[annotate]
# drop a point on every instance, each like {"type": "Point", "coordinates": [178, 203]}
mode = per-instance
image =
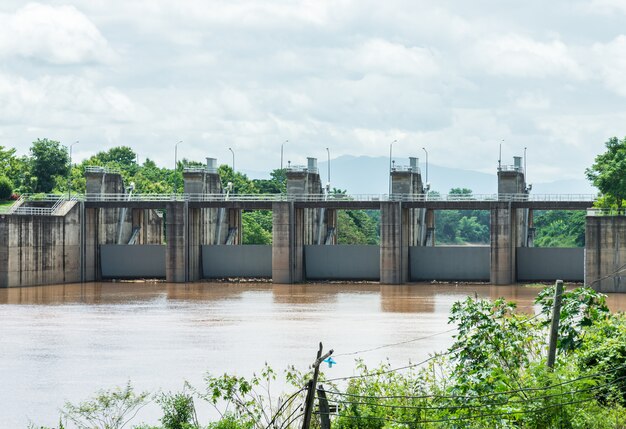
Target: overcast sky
{"type": "Point", "coordinates": [456, 77]}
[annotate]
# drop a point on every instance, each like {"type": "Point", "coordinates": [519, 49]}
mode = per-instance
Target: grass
{"type": "Point", "coordinates": [4, 205]}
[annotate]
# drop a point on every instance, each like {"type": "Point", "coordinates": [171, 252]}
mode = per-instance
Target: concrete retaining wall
{"type": "Point", "coordinates": [39, 250]}
{"type": "Point", "coordinates": [605, 253]}
{"type": "Point", "coordinates": [454, 263]}
{"type": "Point", "coordinates": [342, 262]}
{"type": "Point", "coordinates": [550, 264]}
{"type": "Point", "coordinates": [236, 261]}
{"type": "Point", "coordinates": [132, 261]}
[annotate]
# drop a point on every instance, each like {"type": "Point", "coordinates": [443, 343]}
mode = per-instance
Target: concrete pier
{"type": "Point", "coordinates": [605, 253]}
{"type": "Point", "coordinates": [394, 245]}
{"type": "Point", "coordinates": [176, 251]}
{"type": "Point", "coordinates": [287, 243]}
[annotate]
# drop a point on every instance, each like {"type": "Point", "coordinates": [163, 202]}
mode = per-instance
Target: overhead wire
{"type": "Point", "coordinates": [507, 401]}
{"type": "Point", "coordinates": [468, 397]}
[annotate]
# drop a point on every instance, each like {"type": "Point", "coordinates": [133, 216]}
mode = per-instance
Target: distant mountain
{"type": "Point", "coordinates": [370, 175]}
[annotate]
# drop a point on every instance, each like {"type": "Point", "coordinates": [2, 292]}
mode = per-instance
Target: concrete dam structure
{"type": "Point", "coordinates": [113, 233]}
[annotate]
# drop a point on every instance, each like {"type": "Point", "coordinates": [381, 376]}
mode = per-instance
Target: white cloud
{"type": "Point", "coordinates": [518, 56]}
{"type": "Point", "coordinates": [66, 101]}
{"type": "Point", "coordinates": [607, 6]}
{"type": "Point", "coordinates": [381, 56]}
{"type": "Point", "coordinates": [532, 101]}
{"type": "Point", "coordinates": [53, 34]}
{"type": "Point", "coordinates": [610, 61]}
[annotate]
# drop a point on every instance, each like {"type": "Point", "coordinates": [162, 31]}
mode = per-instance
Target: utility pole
{"type": "Point", "coordinates": [554, 327]}
{"type": "Point", "coordinates": [310, 394]}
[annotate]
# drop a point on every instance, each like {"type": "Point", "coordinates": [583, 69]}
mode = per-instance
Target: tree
{"type": "Point", "coordinates": [608, 172]}
{"type": "Point", "coordinates": [48, 160]}
{"type": "Point", "coordinates": [6, 188]}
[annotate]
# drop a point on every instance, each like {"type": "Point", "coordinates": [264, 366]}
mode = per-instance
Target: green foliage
{"type": "Point", "coordinates": [357, 227]}
{"type": "Point", "coordinates": [241, 183]}
{"type": "Point", "coordinates": [559, 228]}
{"type": "Point", "coordinates": [179, 411]}
{"type": "Point", "coordinates": [580, 309]}
{"type": "Point", "coordinates": [603, 349]}
{"type": "Point", "coordinates": [608, 172]}
{"type": "Point", "coordinates": [248, 403]}
{"type": "Point", "coordinates": [493, 346]}
{"type": "Point", "coordinates": [48, 161]}
{"type": "Point", "coordinates": [6, 188]}
{"type": "Point", "coordinates": [108, 409]}
{"type": "Point", "coordinates": [257, 227]}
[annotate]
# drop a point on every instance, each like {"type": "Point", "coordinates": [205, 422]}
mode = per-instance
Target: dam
{"type": "Point", "coordinates": [110, 232]}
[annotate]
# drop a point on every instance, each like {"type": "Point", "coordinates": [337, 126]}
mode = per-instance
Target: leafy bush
{"type": "Point", "coordinates": [6, 188]}
{"type": "Point", "coordinates": [179, 411]}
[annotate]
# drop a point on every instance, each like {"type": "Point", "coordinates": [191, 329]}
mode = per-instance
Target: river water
{"type": "Point", "coordinates": [63, 343]}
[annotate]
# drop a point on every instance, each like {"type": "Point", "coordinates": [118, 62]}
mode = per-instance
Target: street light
{"type": "Point", "coordinates": [69, 174]}
{"type": "Point", "coordinates": [328, 184]}
{"type": "Point", "coordinates": [390, 153]}
{"type": "Point", "coordinates": [176, 165]}
{"type": "Point", "coordinates": [231, 150]}
{"type": "Point", "coordinates": [281, 153]}
{"type": "Point", "coordinates": [427, 185]}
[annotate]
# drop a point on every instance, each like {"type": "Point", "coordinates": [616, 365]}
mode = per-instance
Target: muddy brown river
{"type": "Point", "coordinates": [63, 343]}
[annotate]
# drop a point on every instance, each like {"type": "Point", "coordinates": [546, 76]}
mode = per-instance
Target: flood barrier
{"type": "Point", "coordinates": [249, 260]}
{"type": "Point", "coordinates": [449, 263]}
{"type": "Point", "coordinates": [119, 261]}
{"type": "Point", "coordinates": [550, 263]}
{"type": "Point", "coordinates": [342, 262]}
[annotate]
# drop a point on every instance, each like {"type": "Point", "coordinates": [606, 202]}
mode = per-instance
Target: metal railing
{"type": "Point", "coordinates": [200, 170]}
{"type": "Point", "coordinates": [351, 197]}
{"type": "Point", "coordinates": [606, 212]}
{"type": "Point", "coordinates": [407, 168]}
{"type": "Point", "coordinates": [99, 169]}
{"type": "Point", "coordinates": [511, 168]}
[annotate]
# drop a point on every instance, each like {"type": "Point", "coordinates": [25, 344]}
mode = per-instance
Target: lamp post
{"type": "Point", "coordinates": [281, 153]}
{"type": "Point", "coordinates": [390, 154]}
{"type": "Point", "coordinates": [231, 151]}
{"type": "Point", "coordinates": [425, 151]}
{"type": "Point", "coordinates": [176, 165]}
{"type": "Point", "coordinates": [328, 184]}
{"type": "Point", "coordinates": [69, 174]}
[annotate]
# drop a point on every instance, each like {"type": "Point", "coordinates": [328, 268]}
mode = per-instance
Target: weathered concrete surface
{"type": "Point", "coordinates": [308, 182]}
{"type": "Point", "coordinates": [39, 250]}
{"type": "Point", "coordinates": [409, 182]}
{"type": "Point", "coordinates": [449, 263]}
{"type": "Point", "coordinates": [605, 253]}
{"type": "Point", "coordinates": [394, 248]}
{"type": "Point", "coordinates": [176, 255]}
{"type": "Point", "coordinates": [503, 236]}
{"type": "Point", "coordinates": [287, 243]}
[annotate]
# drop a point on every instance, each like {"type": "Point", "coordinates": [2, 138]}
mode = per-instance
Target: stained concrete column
{"type": "Point", "coordinates": [394, 248]}
{"type": "Point", "coordinates": [605, 253]}
{"type": "Point", "coordinates": [430, 227]}
{"type": "Point", "coordinates": [176, 252]}
{"type": "Point", "coordinates": [287, 243]}
{"type": "Point", "coordinates": [195, 227]}
{"type": "Point", "coordinates": [4, 251]}
{"type": "Point", "coordinates": [92, 245]}
{"type": "Point", "coordinates": [503, 240]}
{"type": "Point", "coordinates": [234, 221]}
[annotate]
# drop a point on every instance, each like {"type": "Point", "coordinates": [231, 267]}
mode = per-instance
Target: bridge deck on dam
{"type": "Point", "coordinates": [345, 202]}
